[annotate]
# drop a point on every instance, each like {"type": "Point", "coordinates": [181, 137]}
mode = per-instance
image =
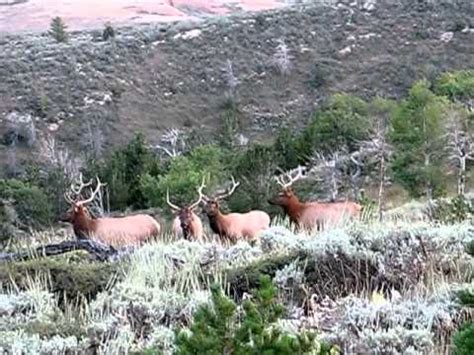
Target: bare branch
{"type": "Point", "coordinates": [52, 154]}
{"type": "Point", "coordinates": [173, 143]}
{"type": "Point", "coordinates": [282, 58]}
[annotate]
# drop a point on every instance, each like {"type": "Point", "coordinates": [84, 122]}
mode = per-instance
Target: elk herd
{"type": "Point", "coordinates": [134, 230]}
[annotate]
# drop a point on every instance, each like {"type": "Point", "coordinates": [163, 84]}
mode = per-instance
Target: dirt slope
{"type": "Point", "coordinates": [157, 76]}
{"type": "Point", "coordinates": [35, 15]}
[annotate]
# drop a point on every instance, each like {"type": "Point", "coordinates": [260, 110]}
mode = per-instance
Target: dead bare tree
{"type": "Point", "coordinates": [172, 143]}
{"type": "Point", "coordinates": [94, 141]}
{"type": "Point", "coordinates": [59, 157]}
{"type": "Point", "coordinates": [282, 58]}
{"type": "Point", "coordinates": [328, 169]}
{"type": "Point", "coordinates": [231, 80]}
{"type": "Point", "coordinates": [459, 148]}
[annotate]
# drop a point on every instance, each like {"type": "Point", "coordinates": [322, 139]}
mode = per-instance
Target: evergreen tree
{"type": "Point", "coordinates": [218, 330]}
{"type": "Point", "coordinates": [108, 32]}
{"type": "Point", "coordinates": [58, 29]}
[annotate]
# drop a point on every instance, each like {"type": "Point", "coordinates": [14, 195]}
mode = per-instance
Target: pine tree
{"type": "Point", "coordinates": [57, 30]}
{"type": "Point", "coordinates": [464, 338]}
{"type": "Point", "coordinates": [108, 32]}
{"type": "Point", "coordinates": [218, 330]}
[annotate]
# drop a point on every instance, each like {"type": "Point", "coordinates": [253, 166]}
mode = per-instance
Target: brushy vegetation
{"type": "Point", "coordinates": [403, 296]}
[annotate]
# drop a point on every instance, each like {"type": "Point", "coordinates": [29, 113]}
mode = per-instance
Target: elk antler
{"type": "Point", "coordinates": [77, 191]}
{"type": "Point", "coordinates": [93, 195]}
{"type": "Point", "coordinates": [229, 192]}
{"type": "Point", "coordinates": [289, 175]}
{"type": "Point", "coordinates": [201, 195]}
{"type": "Point", "coordinates": [174, 207]}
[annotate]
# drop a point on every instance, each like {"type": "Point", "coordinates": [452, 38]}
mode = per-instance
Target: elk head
{"type": "Point", "coordinates": [212, 206]}
{"type": "Point", "coordinates": [286, 196]}
{"type": "Point", "coordinates": [78, 210]}
{"type": "Point", "coordinates": [185, 214]}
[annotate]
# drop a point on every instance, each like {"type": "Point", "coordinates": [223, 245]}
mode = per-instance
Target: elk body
{"type": "Point", "coordinates": [187, 224]}
{"type": "Point", "coordinates": [234, 226]}
{"type": "Point", "coordinates": [114, 231]}
{"type": "Point", "coordinates": [310, 215]}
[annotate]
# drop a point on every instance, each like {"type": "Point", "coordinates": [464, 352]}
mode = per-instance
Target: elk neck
{"type": "Point", "coordinates": [217, 222]}
{"type": "Point", "coordinates": [294, 208]}
{"type": "Point", "coordinates": [185, 220]}
{"type": "Point", "coordinates": [83, 224]}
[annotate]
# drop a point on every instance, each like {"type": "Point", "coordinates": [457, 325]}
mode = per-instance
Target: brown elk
{"type": "Point", "coordinates": [187, 223]}
{"type": "Point", "coordinates": [234, 226]}
{"type": "Point", "coordinates": [114, 231]}
{"type": "Point", "coordinates": [310, 215]}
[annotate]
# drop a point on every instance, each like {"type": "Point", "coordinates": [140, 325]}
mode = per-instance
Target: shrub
{"type": "Point", "coordinates": [217, 329]}
{"type": "Point", "coordinates": [184, 175]}
{"type": "Point", "coordinates": [58, 30]}
{"type": "Point", "coordinates": [464, 340]}
{"type": "Point", "coordinates": [456, 85]}
{"type": "Point", "coordinates": [464, 337]}
{"type": "Point", "coordinates": [452, 211]}
{"type": "Point", "coordinates": [30, 203]}
{"type": "Point", "coordinates": [341, 123]}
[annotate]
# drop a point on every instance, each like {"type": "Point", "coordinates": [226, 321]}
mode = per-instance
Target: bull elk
{"type": "Point", "coordinates": [310, 215]}
{"type": "Point", "coordinates": [114, 231]}
{"type": "Point", "coordinates": [187, 223]}
{"type": "Point", "coordinates": [234, 226]}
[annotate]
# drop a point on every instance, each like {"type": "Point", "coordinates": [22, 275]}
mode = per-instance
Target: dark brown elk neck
{"type": "Point", "coordinates": [294, 208]}
{"type": "Point", "coordinates": [83, 225]}
{"type": "Point", "coordinates": [217, 223]}
{"type": "Point", "coordinates": [186, 223]}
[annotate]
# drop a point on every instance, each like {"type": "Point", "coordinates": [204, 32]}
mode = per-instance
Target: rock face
{"type": "Point", "coordinates": [153, 77]}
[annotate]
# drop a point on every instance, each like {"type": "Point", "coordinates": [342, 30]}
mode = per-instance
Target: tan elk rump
{"type": "Point", "coordinates": [114, 231]}
{"type": "Point", "coordinates": [312, 215]}
{"type": "Point", "coordinates": [234, 226]}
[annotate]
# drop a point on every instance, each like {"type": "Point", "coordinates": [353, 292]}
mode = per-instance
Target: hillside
{"type": "Point", "coordinates": [152, 77]}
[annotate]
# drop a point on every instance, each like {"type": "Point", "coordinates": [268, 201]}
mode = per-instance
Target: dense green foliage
{"type": "Point", "coordinates": [30, 203]}
{"type": "Point", "coordinates": [219, 329]}
{"type": "Point", "coordinates": [184, 175]}
{"type": "Point", "coordinates": [417, 136]}
{"type": "Point", "coordinates": [341, 123]}
{"type": "Point", "coordinates": [456, 85]}
{"type": "Point", "coordinates": [123, 170]}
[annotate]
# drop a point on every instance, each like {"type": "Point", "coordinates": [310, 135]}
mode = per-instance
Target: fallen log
{"type": "Point", "coordinates": [100, 251]}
